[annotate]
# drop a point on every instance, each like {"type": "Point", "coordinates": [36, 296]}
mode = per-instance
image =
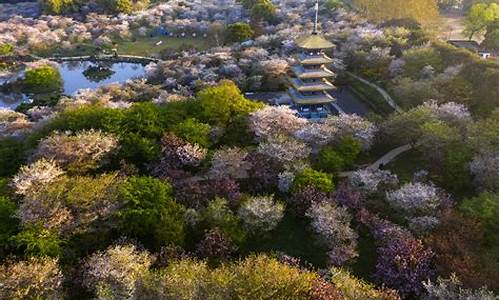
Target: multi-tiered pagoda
{"type": "Point", "coordinates": [310, 85]}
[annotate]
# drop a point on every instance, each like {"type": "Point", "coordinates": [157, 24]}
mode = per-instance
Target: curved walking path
{"type": "Point", "coordinates": [384, 160]}
{"type": "Point", "coordinates": [381, 91]}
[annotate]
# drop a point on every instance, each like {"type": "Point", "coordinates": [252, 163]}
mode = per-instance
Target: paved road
{"type": "Point", "coordinates": [383, 92]}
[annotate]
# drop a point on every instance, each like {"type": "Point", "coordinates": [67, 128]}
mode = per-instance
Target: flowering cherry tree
{"type": "Point", "coordinates": [35, 278]}
{"type": "Point", "coordinates": [403, 264]}
{"type": "Point", "coordinates": [415, 199]}
{"type": "Point", "coordinates": [353, 125]}
{"type": "Point", "coordinates": [331, 223]}
{"type": "Point", "coordinates": [285, 149]}
{"type": "Point", "coordinates": [83, 151]}
{"type": "Point", "coordinates": [32, 177]}
{"type": "Point", "coordinates": [116, 271]}
{"type": "Point", "coordinates": [273, 120]}
{"type": "Point", "coordinates": [369, 181]}
{"type": "Point", "coordinates": [230, 162]}
{"type": "Point", "coordinates": [484, 168]}
{"type": "Point", "coordinates": [261, 214]}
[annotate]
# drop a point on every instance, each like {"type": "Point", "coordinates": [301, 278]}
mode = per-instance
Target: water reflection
{"type": "Point", "coordinates": [89, 75]}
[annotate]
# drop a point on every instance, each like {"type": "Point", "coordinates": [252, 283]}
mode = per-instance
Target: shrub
{"type": "Point", "coordinates": [353, 288]}
{"type": "Point", "coordinates": [124, 6]}
{"type": "Point", "coordinates": [39, 241]}
{"type": "Point", "coordinates": [238, 32]}
{"type": "Point", "coordinates": [218, 214]}
{"type": "Point", "coordinates": [150, 213]}
{"type": "Point", "coordinates": [300, 201]}
{"type": "Point", "coordinates": [8, 223]}
{"type": "Point", "coordinates": [56, 7]}
{"type": "Point", "coordinates": [215, 246]}
{"type": "Point", "coordinates": [35, 278]}
{"type": "Point", "coordinates": [11, 156]}
{"type": "Point", "coordinates": [223, 103]}
{"type": "Point", "coordinates": [458, 242]}
{"type": "Point", "coordinates": [43, 79]}
{"type": "Point", "coordinates": [309, 177]}
{"type": "Point", "coordinates": [261, 214]}
{"type": "Point", "coordinates": [484, 207]}
{"type": "Point", "coordinates": [6, 49]}
{"type": "Point", "coordinates": [193, 131]}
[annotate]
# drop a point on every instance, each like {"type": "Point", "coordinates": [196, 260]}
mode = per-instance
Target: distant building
{"type": "Point", "coordinates": [472, 46]}
{"type": "Point", "coordinates": [310, 84]}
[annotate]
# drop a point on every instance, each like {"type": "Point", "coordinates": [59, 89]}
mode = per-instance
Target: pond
{"type": "Point", "coordinates": [84, 75]}
{"type": "Point", "coordinates": [89, 75]}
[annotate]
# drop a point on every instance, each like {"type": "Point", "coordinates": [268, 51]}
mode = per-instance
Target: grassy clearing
{"type": "Point", "coordinates": [147, 46]}
{"type": "Point", "coordinates": [293, 237]}
{"type": "Point", "coordinates": [141, 47]}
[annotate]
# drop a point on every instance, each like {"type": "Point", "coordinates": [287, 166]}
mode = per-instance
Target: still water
{"type": "Point", "coordinates": [78, 75]}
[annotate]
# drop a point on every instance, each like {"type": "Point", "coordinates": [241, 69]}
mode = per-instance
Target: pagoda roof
{"type": "Point", "coordinates": [299, 98]}
{"type": "Point", "coordinates": [313, 41]}
{"type": "Point", "coordinates": [322, 85]}
{"type": "Point", "coordinates": [320, 72]}
{"type": "Point", "coordinates": [321, 59]}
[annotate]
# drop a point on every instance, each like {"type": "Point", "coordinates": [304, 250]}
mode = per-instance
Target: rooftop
{"type": "Point", "coordinates": [304, 73]}
{"type": "Point", "coordinates": [313, 41]}
{"type": "Point", "coordinates": [314, 59]}
{"type": "Point", "coordinates": [322, 85]}
{"type": "Point", "coordinates": [321, 98]}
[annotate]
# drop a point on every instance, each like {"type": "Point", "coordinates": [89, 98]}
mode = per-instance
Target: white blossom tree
{"type": "Point", "coordinates": [35, 278]}
{"type": "Point", "coordinates": [332, 224]}
{"type": "Point", "coordinates": [484, 168]}
{"type": "Point", "coordinates": [415, 199]}
{"type": "Point", "coordinates": [274, 120]}
{"type": "Point", "coordinates": [261, 214]}
{"type": "Point", "coordinates": [86, 150]}
{"type": "Point", "coordinates": [114, 273]}
{"type": "Point", "coordinates": [285, 149]}
{"type": "Point", "coordinates": [353, 125]}
{"type": "Point", "coordinates": [32, 177]}
{"type": "Point", "coordinates": [369, 180]}
{"type": "Point", "coordinates": [230, 162]}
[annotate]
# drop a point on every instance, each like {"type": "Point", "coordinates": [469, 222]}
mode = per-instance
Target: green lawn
{"type": "Point", "coordinates": [147, 46]}
{"type": "Point", "coordinates": [141, 46]}
{"type": "Point", "coordinates": [293, 237]}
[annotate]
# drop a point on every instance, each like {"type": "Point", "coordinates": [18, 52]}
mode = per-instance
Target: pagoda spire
{"type": "Point", "coordinates": [316, 7]}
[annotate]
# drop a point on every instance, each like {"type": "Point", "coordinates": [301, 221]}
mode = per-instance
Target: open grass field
{"type": "Point", "coordinates": [147, 46]}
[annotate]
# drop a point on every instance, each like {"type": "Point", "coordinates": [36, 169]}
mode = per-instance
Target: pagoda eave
{"type": "Point", "coordinates": [323, 98]}
{"type": "Point", "coordinates": [311, 87]}
{"type": "Point", "coordinates": [304, 59]}
{"type": "Point", "coordinates": [319, 73]}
